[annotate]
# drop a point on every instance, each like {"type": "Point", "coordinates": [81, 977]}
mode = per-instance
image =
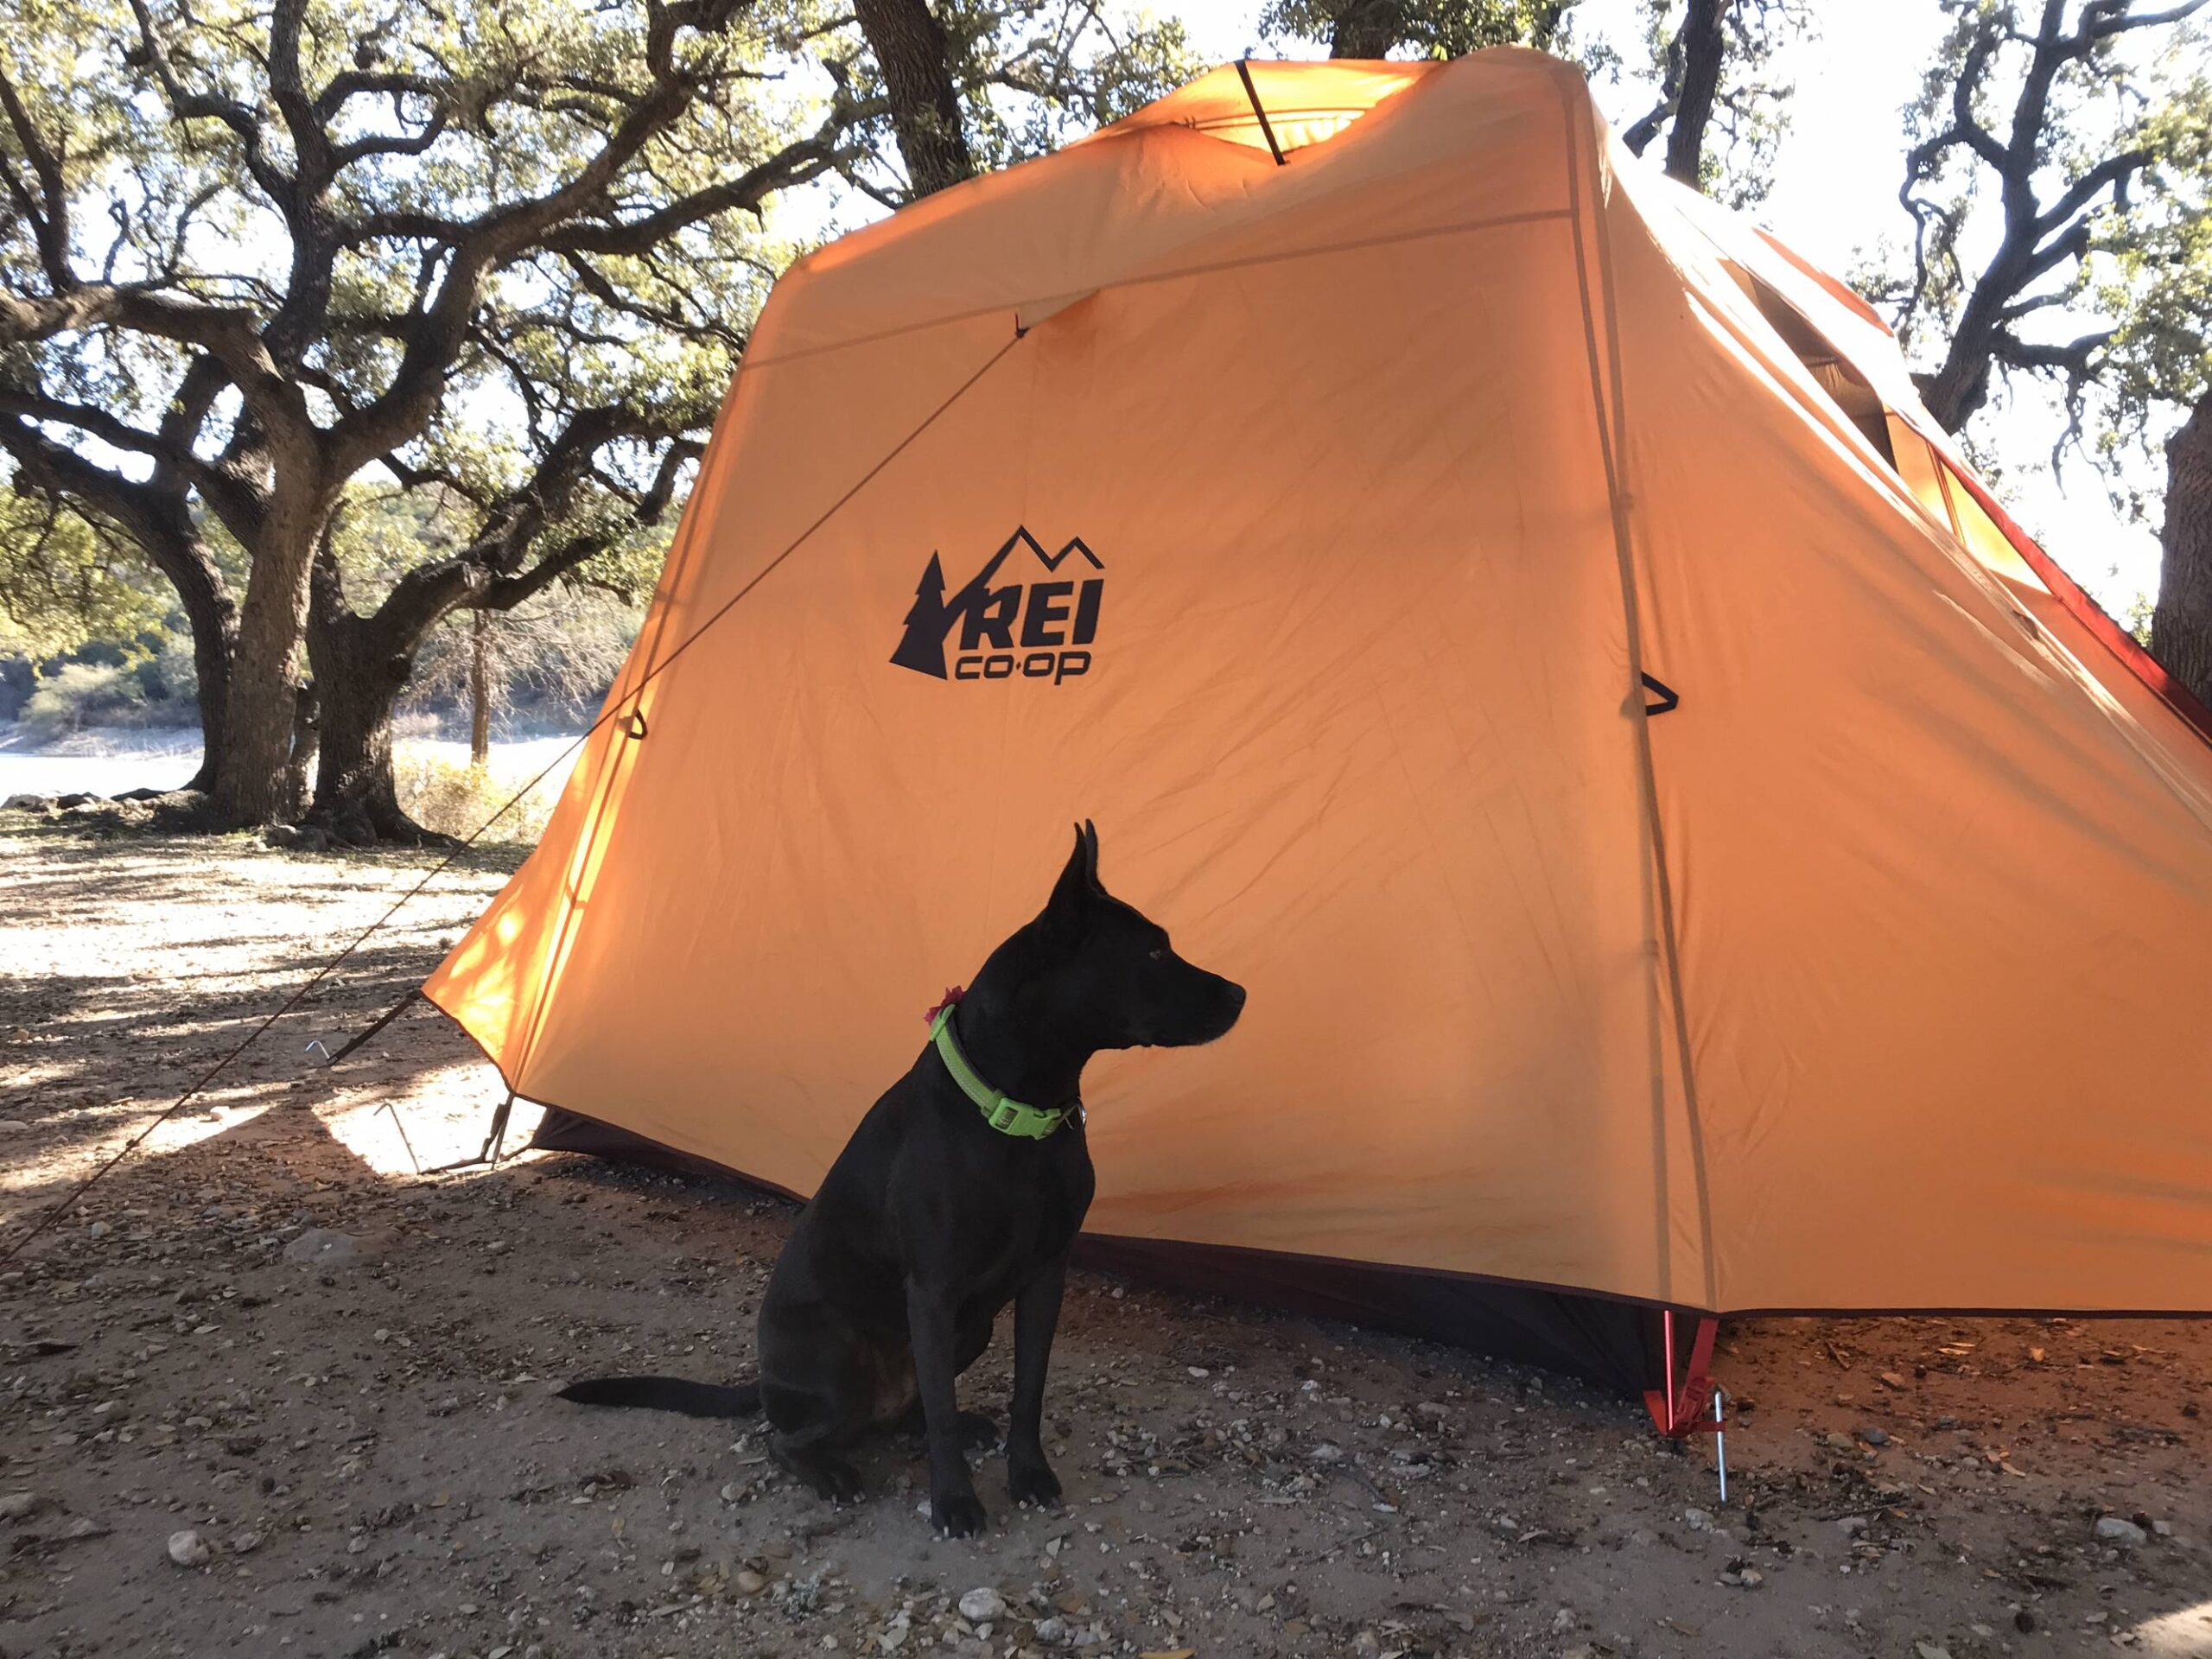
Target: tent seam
{"type": "Point", "coordinates": [1615, 460]}
{"type": "Point", "coordinates": [1463, 227]}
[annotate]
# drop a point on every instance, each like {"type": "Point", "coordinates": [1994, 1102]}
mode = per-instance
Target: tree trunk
{"type": "Point", "coordinates": [1703, 47]}
{"type": "Point", "coordinates": [1367, 29]}
{"type": "Point", "coordinates": [911, 49]}
{"type": "Point", "coordinates": [361, 665]}
{"type": "Point", "coordinates": [253, 760]}
{"type": "Point", "coordinates": [2181, 626]}
{"type": "Point", "coordinates": [358, 678]}
{"type": "Point", "coordinates": [480, 688]}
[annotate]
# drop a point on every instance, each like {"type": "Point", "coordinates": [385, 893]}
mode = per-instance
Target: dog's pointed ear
{"type": "Point", "coordinates": [1078, 881]}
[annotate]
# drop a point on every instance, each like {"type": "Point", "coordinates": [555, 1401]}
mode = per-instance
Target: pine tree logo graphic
{"type": "Point", "coordinates": [929, 621]}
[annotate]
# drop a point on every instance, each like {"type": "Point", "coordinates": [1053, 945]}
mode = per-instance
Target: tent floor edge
{"type": "Point", "coordinates": [1612, 1344]}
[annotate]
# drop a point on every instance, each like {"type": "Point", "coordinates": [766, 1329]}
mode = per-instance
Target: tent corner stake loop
{"type": "Point", "coordinates": [636, 728]}
{"type": "Point", "coordinates": [1670, 699]}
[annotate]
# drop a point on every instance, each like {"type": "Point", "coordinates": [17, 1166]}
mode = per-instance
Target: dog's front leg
{"type": "Point", "coordinates": [1036, 1316]}
{"type": "Point", "coordinates": [954, 1508]}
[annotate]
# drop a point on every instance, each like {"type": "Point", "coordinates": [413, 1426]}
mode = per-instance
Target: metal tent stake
{"type": "Point", "coordinates": [1720, 1447]}
{"type": "Point", "coordinates": [490, 1154]}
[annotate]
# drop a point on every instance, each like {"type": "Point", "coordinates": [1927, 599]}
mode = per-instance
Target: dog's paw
{"type": "Point", "coordinates": [1034, 1483]}
{"type": "Point", "coordinates": [838, 1482]}
{"type": "Point", "coordinates": [958, 1516]}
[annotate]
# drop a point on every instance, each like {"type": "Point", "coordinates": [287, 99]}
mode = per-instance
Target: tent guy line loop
{"type": "Point", "coordinates": [628, 703]}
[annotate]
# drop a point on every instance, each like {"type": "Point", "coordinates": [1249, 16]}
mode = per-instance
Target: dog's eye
{"type": "Point", "coordinates": [1159, 953]}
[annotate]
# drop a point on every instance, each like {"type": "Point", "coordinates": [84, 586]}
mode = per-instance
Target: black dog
{"type": "Point", "coordinates": [950, 1201]}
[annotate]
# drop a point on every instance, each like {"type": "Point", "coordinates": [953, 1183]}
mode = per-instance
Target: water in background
{"type": "Point", "coordinates": [107, 763]}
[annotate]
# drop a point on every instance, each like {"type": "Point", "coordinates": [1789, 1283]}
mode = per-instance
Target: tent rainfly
{"type": "Point", "coordinates": [1686, 848]}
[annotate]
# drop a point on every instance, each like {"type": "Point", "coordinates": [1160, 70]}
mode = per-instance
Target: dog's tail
{"type": "Point", "coordinates": [666, 1394]}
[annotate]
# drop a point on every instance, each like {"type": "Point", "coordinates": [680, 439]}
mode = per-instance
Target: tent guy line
{"type": "Point", "coordinates": [69, 1199]}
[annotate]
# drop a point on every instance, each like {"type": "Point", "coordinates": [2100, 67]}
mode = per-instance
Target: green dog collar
{"type": "Point", "coordinates": [1006, 1116]}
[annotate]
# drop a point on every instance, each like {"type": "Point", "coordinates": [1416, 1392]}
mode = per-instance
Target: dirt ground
{"type": "Point", "coordinates": [363, 1451]}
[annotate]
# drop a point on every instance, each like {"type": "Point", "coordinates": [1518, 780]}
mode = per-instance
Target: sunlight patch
{"type": "Point", "coordinates": [442, 1118]}
{"type": "Point", "coordinates": [2186, 1634]}
{"type": "Point", "coordinates": [202, 1119]}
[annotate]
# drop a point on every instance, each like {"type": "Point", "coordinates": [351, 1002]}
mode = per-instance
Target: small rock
{"type": "Point", "coordinates": [1326, 1452]}
{"type": "Point", "coordinates": [188, 1548]}
{"type": "Point", "coordinates": [1367, 1645]}
{"type": "Point", "coordinates": [246, 1543]}
{"type": "Point", "coordinates": [1852, 1525]}
{"type": "Point", "coordinates": [982, 1605]}
{"type": "Point", "coordinates": [749, 1583]}
{"type": "Point", "coordinates": [1054, 1632]}
{"type": "Point", "coordinates": [75, 799]}
{"type": "Point", "coordinates": [281, 834]}
{"type": "Point", "coordinates": [26, 804]}
{"type": "Point", "coordinates": [14, 1126]}
{"type": "Point", "coordinates": [2116, 1529]}
{"type": "Point", "coordinates": [2164, 1528]}
{"type": "Point", "coordinates": [1874, 1436]}
{"type": "Point", "coordinates": [1931, 1650]}
{"type": "Point", "coordinates": [16, 1505]}
{"type": "Point", "coordinates": [321, 1247]}
{"type": "Point", "coordinates": [1697, 1520]}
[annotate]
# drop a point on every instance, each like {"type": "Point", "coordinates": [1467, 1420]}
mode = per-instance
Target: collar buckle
{"type": "Point", "coordinates": [1000, 1112]}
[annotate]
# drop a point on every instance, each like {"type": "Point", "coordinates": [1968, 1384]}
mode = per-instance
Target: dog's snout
{"type": "Point", "coordinates": [1235, 992]}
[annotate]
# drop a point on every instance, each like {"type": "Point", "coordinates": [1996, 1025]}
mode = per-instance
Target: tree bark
{"type": "Point", "coordinates": [361, 665]}
{"type": "Point", "coordinates": [1704, 49]}
{"type": "Point", "coordinates": [358, 673]}
{"type": "Point", "coordinates": [253, 764]}
{"type": "Point", "coordinates": [911, 48]}
{"type": "Point", "coordinates": [2181, 626]}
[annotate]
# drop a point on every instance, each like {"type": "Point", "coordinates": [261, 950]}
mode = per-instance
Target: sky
{"type": "Point", "coordinates": [1835, 200]}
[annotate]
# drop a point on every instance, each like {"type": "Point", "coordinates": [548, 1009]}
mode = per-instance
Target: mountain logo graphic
{"type": "Point", "coordinates": [1033, 631]}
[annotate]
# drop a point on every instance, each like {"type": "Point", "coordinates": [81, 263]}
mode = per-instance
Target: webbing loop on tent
{"type": "Point", "coordinates": [1670, 699]}
{"type": "Point", "coordinates": [1679, 1414]}
{"type": "Point", "coordinates": [636, 727]}
{"type": "Point", "coordinates": [1267, 129]}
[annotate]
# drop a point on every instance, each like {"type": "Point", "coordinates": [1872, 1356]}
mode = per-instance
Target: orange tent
{"type": "Point", "coordinates": [1683, 843]}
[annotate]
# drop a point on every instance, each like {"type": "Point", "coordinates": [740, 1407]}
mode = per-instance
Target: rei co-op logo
{"type": "Point", "coordinates": [1034, 631]}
